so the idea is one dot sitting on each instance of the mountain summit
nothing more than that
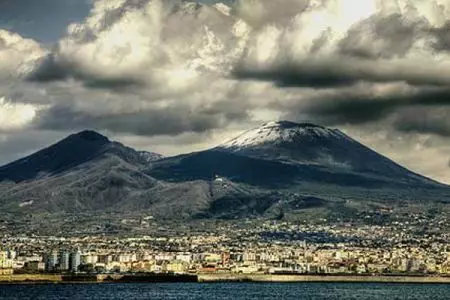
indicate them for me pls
(278, 133)
(291, 142)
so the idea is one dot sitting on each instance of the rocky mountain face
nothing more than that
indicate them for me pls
(85, 171)
(68, 154)
(280, 169)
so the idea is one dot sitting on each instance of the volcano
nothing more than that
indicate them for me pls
(297, 169)
(286, 152)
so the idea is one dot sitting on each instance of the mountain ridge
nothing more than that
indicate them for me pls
(67, 153)
(280, 166)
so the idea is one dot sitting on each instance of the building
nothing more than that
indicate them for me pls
(51, 261)
(64, 261)
(5, 264)
(3, 259)
(34, 266)
(75, 261)
(8, 271)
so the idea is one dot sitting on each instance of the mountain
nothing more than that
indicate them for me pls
(75, 150)
(281, 169)
(280, 154)
(82, 172)
(316, 146)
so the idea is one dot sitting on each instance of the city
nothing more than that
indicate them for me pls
(248, 247)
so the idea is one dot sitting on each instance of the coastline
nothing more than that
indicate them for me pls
(215, 278)
(320, 278)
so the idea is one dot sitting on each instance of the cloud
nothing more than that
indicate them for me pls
(342, 59)
(367, 103)
(346, 62)
(18, 56)
(260, 13)
(335, 44)
(15, 116)
(151, 121)
(418, 119)
(145, 43)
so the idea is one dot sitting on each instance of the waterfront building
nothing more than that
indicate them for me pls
(8, 271)
(64, 260)
(34, 266)
(75, 261)
(51, 261)
(3, 259)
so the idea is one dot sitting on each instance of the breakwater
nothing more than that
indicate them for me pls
(80, 278)
(31, 278)
(228, 277)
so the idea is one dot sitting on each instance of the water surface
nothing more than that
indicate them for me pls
(237, 291)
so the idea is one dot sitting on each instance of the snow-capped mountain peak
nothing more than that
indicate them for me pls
(279, 132)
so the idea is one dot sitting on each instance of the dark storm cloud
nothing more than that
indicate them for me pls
(442, 35)
(360, 108)
(423, 125)
(339, 73)
(390, 36)
(51, 68)
(424, 120)
(167, 121)
(303, 75)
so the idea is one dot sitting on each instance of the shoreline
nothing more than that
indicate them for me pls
(322, 278)
(216, 278)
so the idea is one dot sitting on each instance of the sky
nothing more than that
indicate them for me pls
(174, 76)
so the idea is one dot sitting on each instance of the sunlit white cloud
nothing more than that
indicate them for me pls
(18, 56)
(14, 116)
(147, 43)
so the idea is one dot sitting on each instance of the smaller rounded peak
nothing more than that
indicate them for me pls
(91, 135)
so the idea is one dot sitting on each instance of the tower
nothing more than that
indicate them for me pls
(75, 261)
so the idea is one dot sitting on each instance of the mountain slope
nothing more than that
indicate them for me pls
(83, 172)
(313, 145)
(285, 154)
(297, 168)
(280, 169)
(69, 153)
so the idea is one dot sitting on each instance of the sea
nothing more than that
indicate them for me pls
(235, 291)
